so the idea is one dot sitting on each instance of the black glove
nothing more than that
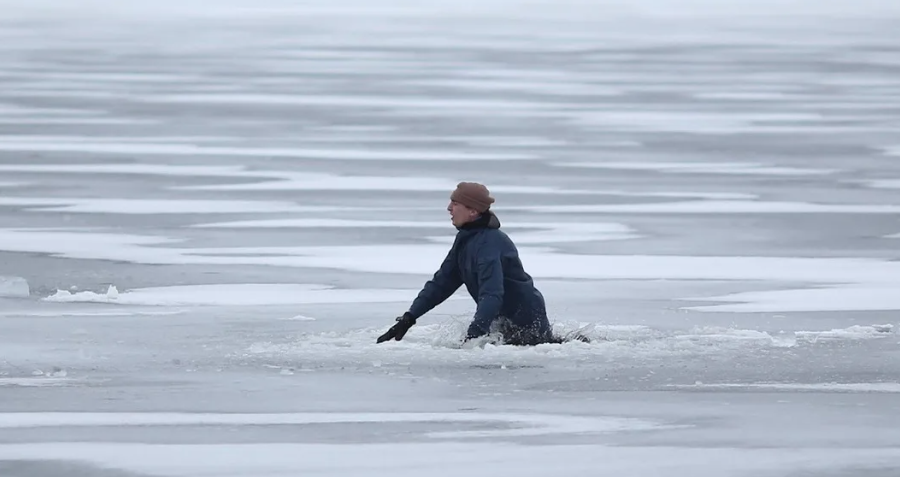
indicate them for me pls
(404, 323)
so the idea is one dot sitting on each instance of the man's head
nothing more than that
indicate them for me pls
(468, 201)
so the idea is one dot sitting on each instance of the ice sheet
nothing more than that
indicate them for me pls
(239, 294)
(699, 80)
(739, 168)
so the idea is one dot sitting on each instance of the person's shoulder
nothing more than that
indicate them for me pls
(494, 240)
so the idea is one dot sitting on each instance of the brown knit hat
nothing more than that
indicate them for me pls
(473, 195)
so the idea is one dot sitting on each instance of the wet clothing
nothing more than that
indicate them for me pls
(486, 261)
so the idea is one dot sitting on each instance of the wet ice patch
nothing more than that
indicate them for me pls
(737, 168)
(866, 297)
(245, 294)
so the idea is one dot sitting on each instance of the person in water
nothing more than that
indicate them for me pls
(486, 261)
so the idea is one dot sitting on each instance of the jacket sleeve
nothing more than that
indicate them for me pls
(443, 284)
(490, 294)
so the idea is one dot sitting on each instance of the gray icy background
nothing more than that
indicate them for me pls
(808, 95)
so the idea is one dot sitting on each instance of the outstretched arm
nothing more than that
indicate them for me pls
(443, 284)
(490, 295)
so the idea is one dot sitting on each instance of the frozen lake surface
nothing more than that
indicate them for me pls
(208, 213)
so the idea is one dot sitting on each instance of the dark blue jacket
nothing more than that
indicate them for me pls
(486, 261)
